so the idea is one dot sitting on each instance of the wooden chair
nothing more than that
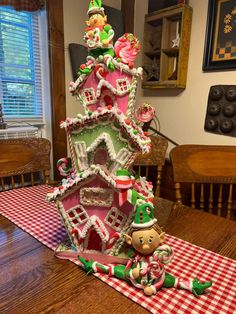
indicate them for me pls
(208, 174)
(150, 165)
(21, 160)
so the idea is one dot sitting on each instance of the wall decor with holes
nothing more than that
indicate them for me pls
(221, 110)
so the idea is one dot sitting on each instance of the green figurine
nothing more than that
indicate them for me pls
(145, 268)
(98, 38)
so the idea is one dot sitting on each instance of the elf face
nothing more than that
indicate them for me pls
(145, 241)
(96, 20)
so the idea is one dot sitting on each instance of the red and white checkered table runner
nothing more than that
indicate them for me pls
(28, 209)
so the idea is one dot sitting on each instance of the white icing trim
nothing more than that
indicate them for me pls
(109, 193)
(81, 154)
(104, 137)
(98, 151)
(113, 214)
(99, 227)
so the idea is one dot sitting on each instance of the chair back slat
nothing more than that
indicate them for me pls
(12, 182)
(32, 178)
(22, 180)
(212, 170)
(210, 206)
(230, 201)
(202, 200)
(193, 199)
(2, 184)
(220, 200)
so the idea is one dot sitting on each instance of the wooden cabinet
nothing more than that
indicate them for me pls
(166, 47)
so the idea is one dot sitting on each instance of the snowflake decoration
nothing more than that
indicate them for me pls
(228, 18)
(227, 29)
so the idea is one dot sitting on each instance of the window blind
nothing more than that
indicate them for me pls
(20, 65)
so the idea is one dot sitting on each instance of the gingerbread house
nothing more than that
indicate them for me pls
(106, 137)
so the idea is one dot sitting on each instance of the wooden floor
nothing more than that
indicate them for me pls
(34, 281)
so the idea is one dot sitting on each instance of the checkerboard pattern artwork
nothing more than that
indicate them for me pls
(226, 52)
(27, 208)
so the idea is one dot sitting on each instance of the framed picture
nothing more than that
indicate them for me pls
(220, 42)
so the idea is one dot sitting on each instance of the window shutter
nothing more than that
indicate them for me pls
(20, 65)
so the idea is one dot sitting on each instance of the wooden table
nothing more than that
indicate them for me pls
(34, 281)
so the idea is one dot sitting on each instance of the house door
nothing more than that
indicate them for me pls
(94, 241)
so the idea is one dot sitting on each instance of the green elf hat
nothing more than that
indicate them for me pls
(95, 6)
(144, 217)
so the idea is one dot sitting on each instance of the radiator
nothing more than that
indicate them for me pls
(19, 132)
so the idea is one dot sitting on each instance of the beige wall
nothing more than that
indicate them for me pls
(182, 116)
(75, 15)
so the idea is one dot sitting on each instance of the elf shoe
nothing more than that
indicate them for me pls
(88, 265)
(199, 287)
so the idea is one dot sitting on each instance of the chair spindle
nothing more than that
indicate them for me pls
(12, 182)
(202, 197)
(193, 200)
(32, 178)
(210, 206)
(2, 184)
(22, 181)
(230, 201)
(219, 205)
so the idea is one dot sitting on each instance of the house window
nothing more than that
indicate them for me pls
(22, 34)
(123, 85)
(89, 95)
(77, 215)
(115, 218)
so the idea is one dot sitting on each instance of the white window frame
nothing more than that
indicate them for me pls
(45, 121)
(77, 216)
(120, 88)
(113, 214)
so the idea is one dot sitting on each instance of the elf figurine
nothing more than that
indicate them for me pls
(145, 268)
(98, 38)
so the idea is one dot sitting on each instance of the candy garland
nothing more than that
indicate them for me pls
(131, 101)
